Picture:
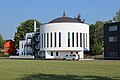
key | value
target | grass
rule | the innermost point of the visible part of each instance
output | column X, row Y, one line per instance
column 59, row 70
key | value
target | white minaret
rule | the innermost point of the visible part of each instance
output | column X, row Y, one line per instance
column 34, row 26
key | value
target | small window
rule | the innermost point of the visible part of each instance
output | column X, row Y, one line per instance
column 59, row 39
column 51, row 53
column 113, row 39
column 51, row 39
column 68, row 39
column 56, row 53
column 113, row 54
column 80, row 39
column 112, row 28
column 73, row 39
column 55, row 39
column 47, row 39
column 76, row 52
column 76, row 39
column 22, row 45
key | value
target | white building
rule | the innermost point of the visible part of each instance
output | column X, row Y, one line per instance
column 58, row 38
column 29, row 47
column 62, row 36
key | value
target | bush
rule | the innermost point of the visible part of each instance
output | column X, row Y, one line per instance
column 3, row 55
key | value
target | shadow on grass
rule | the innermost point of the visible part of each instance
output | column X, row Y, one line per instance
column 64, row 77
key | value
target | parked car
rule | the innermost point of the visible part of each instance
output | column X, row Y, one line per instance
column 71, row 57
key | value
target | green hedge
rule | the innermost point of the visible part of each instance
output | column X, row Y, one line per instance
column 3, row 55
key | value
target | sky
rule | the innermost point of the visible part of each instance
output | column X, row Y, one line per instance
column 13, row 12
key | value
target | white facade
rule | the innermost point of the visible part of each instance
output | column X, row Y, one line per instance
column 54, row 42
column 25, row 48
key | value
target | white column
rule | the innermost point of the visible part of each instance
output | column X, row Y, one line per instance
column 57, row 39
column 78, row 39
column 53, row 39
column 81, row 54
column 75, row 39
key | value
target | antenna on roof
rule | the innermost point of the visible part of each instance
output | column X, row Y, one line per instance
column 64, row 14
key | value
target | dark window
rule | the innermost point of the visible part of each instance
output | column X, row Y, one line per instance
column 68, row 39
column 71, row 52
column 72, row 39
column 113, row 54
column 47, row 39
column 80, row 39
column 76, row 39
column 83, row 40
column 112, row 28
column 55, row 39
column 113, row 39
column 56, row 53
column 59, row 39
column 51, row 53
column 22, row 45
column 51, row 39
column 76, row 52
column 44, row 40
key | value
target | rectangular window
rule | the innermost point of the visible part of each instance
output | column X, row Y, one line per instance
column 86, row 39
column 113, row 54
column 76, row 39
column 113, row 39
column 56, row 53
column 72, row 39
column 22, row 45
column 83, row 40
column 51, row 39
column 55, row 39
column 80, row 39
column 68, row 39
column 59, row 39
column 112, row 28
column 44, row 40
column 51, row 53
column 47, row 39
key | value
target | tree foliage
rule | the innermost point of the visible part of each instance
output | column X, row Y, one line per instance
column 25, row 27
column 96, row 37
column 1, row 41
column 117, row 16
column 78, row 17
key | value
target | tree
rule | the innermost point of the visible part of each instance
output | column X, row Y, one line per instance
column 117, row 16
column 25, row 27
column 1, row 41
column 96, row 37
column 78, row 17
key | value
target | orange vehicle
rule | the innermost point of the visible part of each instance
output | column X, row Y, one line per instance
column 9, row 48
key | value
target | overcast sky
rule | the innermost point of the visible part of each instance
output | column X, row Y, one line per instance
column 13, row 12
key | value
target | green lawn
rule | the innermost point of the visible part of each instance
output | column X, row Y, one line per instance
column 59, row 70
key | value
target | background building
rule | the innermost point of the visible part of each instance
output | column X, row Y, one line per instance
column 112, row 40
column 29, row 47
column 9, row 48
